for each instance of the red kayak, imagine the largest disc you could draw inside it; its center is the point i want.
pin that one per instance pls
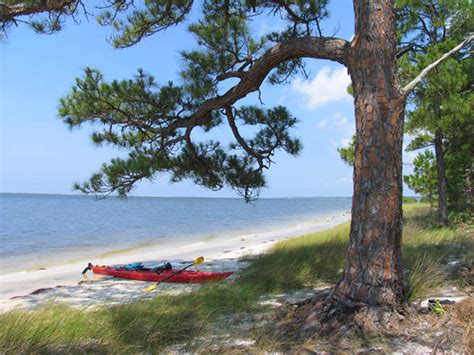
(146, 274)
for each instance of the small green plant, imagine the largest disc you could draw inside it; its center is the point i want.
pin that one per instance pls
(456, 218)
(437, 308)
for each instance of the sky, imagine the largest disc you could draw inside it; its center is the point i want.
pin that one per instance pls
(39, 154)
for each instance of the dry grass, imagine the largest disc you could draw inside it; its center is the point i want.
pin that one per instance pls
(462, 315)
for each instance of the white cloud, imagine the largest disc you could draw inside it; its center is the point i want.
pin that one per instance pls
(345, 127)
(329, 85)
(340, 143)
(322, 123)
(344, 180)
(340, 121)
(345, 142)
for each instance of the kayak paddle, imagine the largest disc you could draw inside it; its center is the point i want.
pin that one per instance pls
(195, 262)
(89, 267)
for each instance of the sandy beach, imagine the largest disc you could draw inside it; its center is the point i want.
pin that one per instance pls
(65, 284)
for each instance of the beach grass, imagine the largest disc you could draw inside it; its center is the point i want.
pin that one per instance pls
(306, 261)
(429, 250)
(299, 262)
(140, 326)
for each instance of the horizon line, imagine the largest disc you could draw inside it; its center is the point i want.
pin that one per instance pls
(151, 196)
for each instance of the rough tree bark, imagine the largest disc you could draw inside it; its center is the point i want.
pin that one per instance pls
(373, 273)
(441, 170)
(430, 198)
(469, 188)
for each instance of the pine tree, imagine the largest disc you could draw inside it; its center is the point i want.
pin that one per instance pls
(423, 180)
(438, 101)
(157, 124)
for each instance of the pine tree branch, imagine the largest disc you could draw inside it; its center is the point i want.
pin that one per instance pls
(10, 11)
(232, 74)
(334, 49)
(241, 140)
(429, 68)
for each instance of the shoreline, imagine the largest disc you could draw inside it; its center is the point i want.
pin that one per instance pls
(41, 231)
(60, 282)
(103, 253)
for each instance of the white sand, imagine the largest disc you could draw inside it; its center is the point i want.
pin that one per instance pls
(60, 283)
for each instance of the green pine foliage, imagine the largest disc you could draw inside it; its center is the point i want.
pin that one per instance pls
(443, 102)
(150, 122)
(424, 178)
(347, 154)
(161, 126)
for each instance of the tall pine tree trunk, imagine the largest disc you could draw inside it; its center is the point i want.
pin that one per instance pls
(373, 273)
(468, 188)
(430, 198)
(442, 187)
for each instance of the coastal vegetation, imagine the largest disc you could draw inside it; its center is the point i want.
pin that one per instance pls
(439, 116)
(396, 45)
(311, 261)
(157, 125)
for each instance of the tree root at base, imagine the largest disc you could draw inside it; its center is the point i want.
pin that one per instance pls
(324, 316)
(323, 323)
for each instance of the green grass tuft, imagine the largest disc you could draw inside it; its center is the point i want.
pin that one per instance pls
(423, 277)
(428, 248)
(298, 262)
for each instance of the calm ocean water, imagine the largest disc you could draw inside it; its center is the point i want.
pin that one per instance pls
(39, 229)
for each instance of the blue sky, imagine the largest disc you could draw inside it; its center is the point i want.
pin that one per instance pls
(39, 154)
